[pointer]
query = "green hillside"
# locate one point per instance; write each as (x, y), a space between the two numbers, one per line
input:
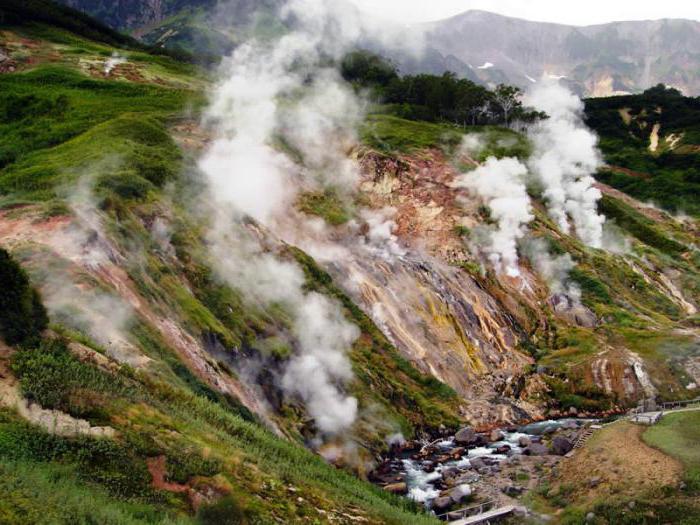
(652, 143)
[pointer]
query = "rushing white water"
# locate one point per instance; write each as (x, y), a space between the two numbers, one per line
(422, 485)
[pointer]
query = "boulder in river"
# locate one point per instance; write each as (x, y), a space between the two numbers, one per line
(477, 463)
(561, 445)
(570, 424)
(397, 488)
(450, 472)
(466, 436)
(524, 441)
(459, 492)
(496, 435)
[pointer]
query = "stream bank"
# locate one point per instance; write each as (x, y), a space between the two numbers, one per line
(468, 467)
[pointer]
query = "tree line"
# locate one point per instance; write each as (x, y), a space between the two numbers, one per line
(435, 97)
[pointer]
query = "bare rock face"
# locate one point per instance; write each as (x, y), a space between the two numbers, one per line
(572, 311)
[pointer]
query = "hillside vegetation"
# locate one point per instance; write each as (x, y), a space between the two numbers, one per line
(652, 143)
(139, 387)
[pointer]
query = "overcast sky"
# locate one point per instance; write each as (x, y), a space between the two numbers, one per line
(562, 11)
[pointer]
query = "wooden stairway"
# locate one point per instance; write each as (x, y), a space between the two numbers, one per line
(585, 435)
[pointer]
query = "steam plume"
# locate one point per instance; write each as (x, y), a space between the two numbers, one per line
(564, 157)
(501, 184)
(284, 92)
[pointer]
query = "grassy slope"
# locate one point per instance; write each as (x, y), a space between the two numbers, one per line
(678, 436)
(71, 127)
(628, 470)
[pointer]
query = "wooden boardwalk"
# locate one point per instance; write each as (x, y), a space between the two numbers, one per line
(485, 517)
(481, 513)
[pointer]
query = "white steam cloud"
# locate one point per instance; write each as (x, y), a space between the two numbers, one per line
(112, 62)
(500, 183)
(563, 160)
(280, 101)
(553, 269)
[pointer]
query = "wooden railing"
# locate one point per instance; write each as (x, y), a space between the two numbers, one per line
(467, 511)
(671, 405)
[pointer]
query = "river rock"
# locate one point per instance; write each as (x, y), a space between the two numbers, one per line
(466, 436)
(496, 435)
(450, 472)
(441, 503)
(570, 424)
(524, 441)
(503, 449)
(535, 449)
(397, 488)
(459, 492)
(457, 452)
(561, 445)
(477, 463)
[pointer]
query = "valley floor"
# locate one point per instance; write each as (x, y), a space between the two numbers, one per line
(629, 474)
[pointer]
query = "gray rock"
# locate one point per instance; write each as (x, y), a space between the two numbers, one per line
(572, 311)
(512, 490)
(450, 472)
(570, 424)
(459, 492)
(441, 503)
(466, 436)
(594, 481)
(496, 435)
(561, 445)
(524, 441)
(536, 449)
(590, 517)
(477, 463)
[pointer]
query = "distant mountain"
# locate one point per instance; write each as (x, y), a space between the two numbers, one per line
(598, 60)
(203, 27)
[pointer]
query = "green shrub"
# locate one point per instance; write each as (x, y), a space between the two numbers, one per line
(50, 375)
(226, 511)
(326, 205)
(22, 314)
(104, 461)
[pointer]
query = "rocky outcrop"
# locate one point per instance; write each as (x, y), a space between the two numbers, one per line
(572, 311)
